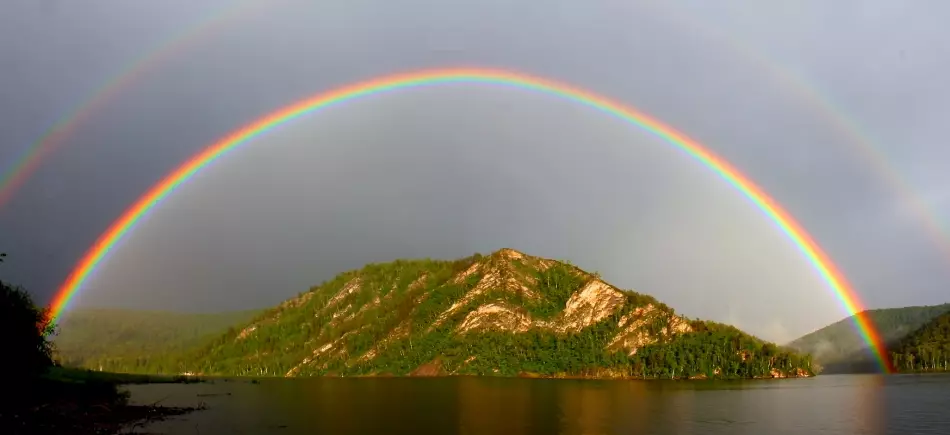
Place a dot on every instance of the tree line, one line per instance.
(925, 350)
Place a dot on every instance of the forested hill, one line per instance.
(90, 337)
(839, 349)
(505, 314)
(927, 349)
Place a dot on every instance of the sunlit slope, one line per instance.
(504, 314)
(925, 350)
(839, 349)
(94, 338)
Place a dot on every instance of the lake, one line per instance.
(833, 404)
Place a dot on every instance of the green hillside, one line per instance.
(93, 337)
(839, 349)
(926, 349)
(506, 314)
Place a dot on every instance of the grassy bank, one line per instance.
(69, 374)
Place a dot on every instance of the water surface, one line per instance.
(833, 405)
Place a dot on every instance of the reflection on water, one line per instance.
(859, 404)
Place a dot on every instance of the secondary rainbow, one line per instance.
(865, 146)
(802, 240)
(33, 156)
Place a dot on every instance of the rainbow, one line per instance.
(802, 240)
(12, 178)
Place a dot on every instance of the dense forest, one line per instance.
(838, 347)
(506, 314)
(87, 336)
(925, 350)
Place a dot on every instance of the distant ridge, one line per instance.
(839, 349)
(93, 337)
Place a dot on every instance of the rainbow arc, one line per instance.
(835, 280)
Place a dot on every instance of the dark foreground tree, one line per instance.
(25, 333)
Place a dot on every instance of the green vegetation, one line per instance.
(557, 284)
(506, 314)
(839, 349)
(925, 350)
(39, 396)
(103, 338)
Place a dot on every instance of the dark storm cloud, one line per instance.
(446, 172)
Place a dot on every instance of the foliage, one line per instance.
(927, 349)
(556, 284)
(839, 348)
(403, 318)
(25, 332)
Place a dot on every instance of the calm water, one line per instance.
(842, 404)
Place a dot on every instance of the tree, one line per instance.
(26, 333)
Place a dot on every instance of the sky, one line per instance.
(446, 171)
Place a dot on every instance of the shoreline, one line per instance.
(79, 401)
(200, 378)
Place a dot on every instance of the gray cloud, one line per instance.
(446, 171)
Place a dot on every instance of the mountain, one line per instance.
(505, 314)
(93, 338)
(926, 349)
(839, 349)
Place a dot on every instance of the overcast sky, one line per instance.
(450, 170)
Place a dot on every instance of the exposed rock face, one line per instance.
(592, 303)
(495, 316)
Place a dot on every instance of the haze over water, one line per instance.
(834, 405)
